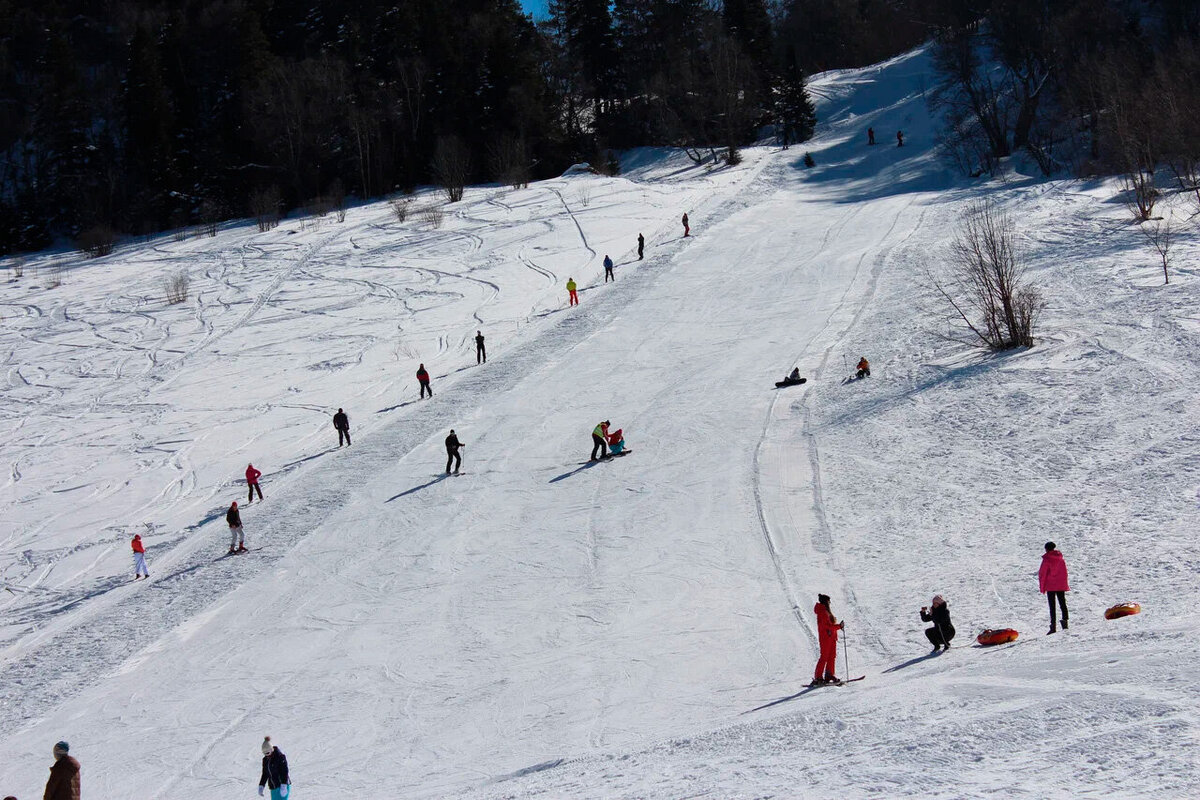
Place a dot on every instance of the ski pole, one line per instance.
(845, 651)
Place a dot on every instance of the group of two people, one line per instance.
(606, 443)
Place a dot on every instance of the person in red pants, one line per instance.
(827, 632)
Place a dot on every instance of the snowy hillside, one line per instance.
(545, 626)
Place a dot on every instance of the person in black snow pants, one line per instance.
(870, 136)
(453, 445)
(942, 631)
(423, 379)
(480, 350)
(341, 423)
(608, 267)
(600, 441)
(641, 246)
(274, 772)
(899, 138)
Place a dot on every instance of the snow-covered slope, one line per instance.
(543, 626)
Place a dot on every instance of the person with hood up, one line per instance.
(608, 269)
(423, 379)
(237, 540)
(252, 476)
(942, 631)
(274, 772)
(599, 440)
(341, 424)
(1052, 581)
(827, 633)
(64, 775)
(140, 570)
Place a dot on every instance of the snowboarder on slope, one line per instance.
(599, 440)
(827, 628)
(423, 379)
(942, 631)
(139, 558)
(687, 231)
(572, 298)
(341, 423)
(64, 775)
(794, 375)
(274, 772)
(641, 246)
(870, 136)
(237, 540)
(252, 476)
(1052, 580)
(480, 350)
(864, 368)
(608, 269)
(452, 447)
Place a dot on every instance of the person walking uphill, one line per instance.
(641, 246)
(1052, 581)
(64, 775)
(453, 445)
(139, 558)
(237, 540)
(599, 440)
(572, 298)
(480, 350)
(608, 269)
(827, 631)
(252, 476)
(942, 631)
(341, 424)
(274, 772)
(423, 379)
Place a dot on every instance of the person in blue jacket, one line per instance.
(608, 269)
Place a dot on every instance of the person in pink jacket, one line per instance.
(252, 476)
(1052, 580)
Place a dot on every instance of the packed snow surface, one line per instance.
(545, 626)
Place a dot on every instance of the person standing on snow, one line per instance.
(942, 631)
(870, 136)
(572, 298)
(687, 231)
(423, 379)
(827, 631)
(64, 775)
(608, 268)
(252, 476)
(274, 772)
(237, 540)
(480, 350)
(599, 440)
(139, 558)
(1052, 581)
(899, 138)
(341, 424)
(641, 246)
(453, 445)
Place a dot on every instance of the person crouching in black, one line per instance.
(942, 631)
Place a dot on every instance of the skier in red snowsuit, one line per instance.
(827, 628)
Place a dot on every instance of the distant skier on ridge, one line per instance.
(641, 246)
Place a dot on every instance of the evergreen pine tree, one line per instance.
(794, 111)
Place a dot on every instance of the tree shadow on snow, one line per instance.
(416, 489)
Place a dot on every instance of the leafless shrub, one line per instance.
(1139, 182)
(452, 165)
(508, 160)
(432, 215)
(337, 198)
(17, 265)
(54, 275)
(97, 241)
(264, 205)
(1161, 237)
(400, 206)
(585, 195)
(986, 283)
(211, 213)
(176, 285)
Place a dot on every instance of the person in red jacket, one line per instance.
(1052, 581)
(827, 628)
(252, 476)
(423, 379)
(139, 558)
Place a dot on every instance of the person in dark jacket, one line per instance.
(687, 228)
(899, 138)
(942, 631)
(480, 350)
(870, 136)
(274, 772)
(423, 379)
(237, 540)
(453, 445)
(641, 246)
(608, 269)
(341, 424)
(64, 775)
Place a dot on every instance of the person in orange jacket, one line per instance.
(252, 476)
(827, 628)
(139, 558)
(864, 368)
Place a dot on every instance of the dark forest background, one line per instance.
(132, 116)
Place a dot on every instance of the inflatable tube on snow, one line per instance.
(1002, 636)
(1122, 610)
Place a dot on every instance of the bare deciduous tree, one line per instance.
(509, 162)
(1160, 236)
(452, 165)
(97, 241)
(400, 207)
(176, 286)
(431, 215)
(264, 205)
(986, 284)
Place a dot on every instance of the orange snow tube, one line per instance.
(1002, 636)
(1122, 610)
